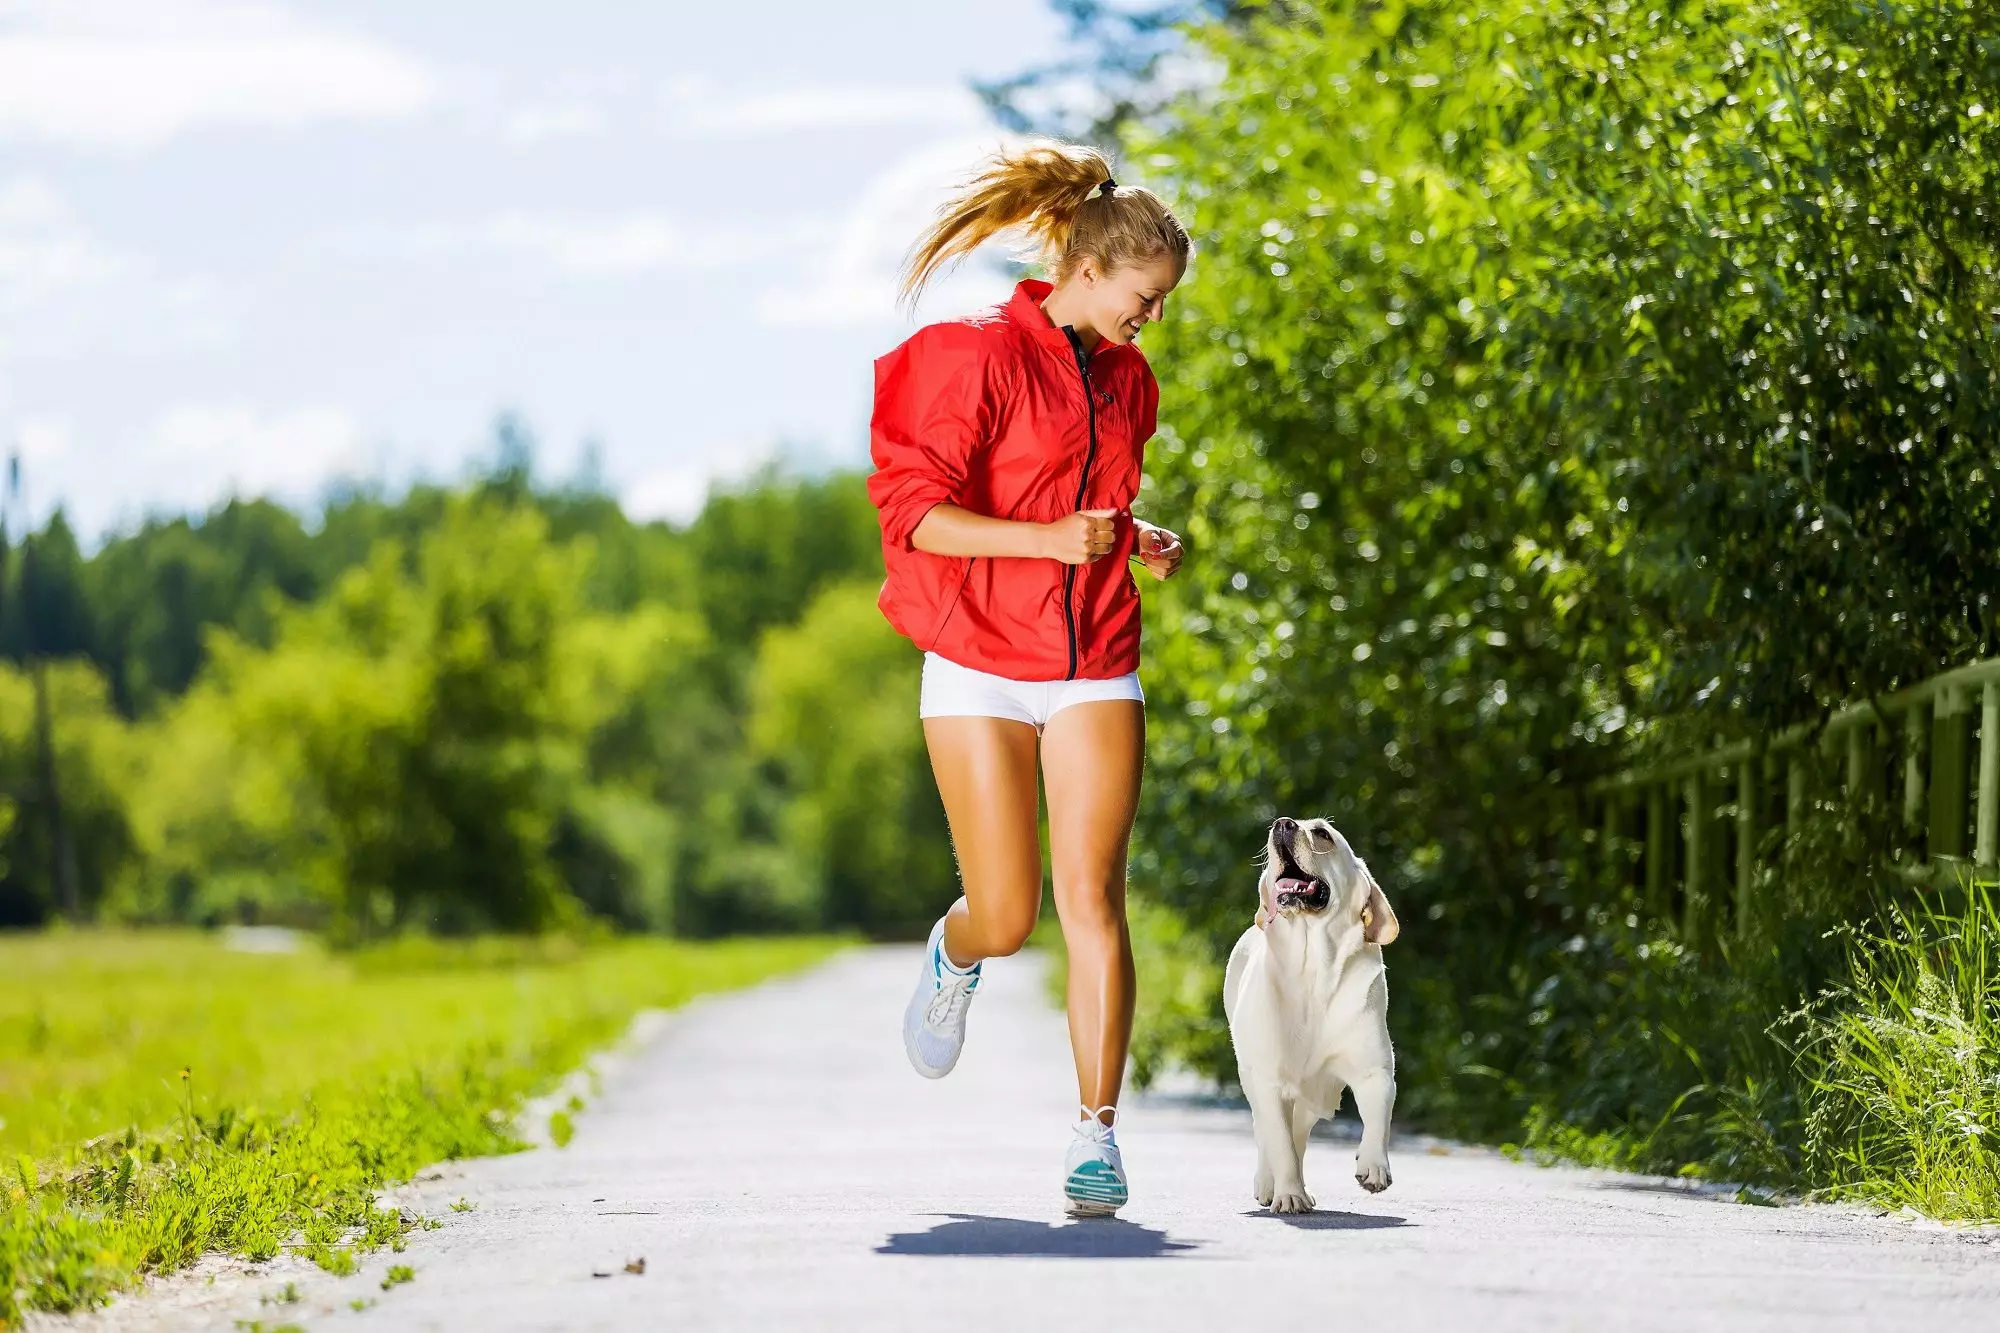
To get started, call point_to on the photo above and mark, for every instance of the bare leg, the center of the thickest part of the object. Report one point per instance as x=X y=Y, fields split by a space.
x=1092 y=756
x=985 y=769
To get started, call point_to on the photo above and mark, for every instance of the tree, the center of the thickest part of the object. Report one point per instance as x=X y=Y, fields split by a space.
x=1554 y=381
x=834 y=711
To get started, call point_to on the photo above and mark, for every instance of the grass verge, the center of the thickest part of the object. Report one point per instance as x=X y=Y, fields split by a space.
x=162 y=1098
x=1902 y=1066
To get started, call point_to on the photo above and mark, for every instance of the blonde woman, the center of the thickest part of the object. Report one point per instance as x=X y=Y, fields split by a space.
x=1007 y=449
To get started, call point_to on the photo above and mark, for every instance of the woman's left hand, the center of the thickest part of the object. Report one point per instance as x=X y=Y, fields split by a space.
x=1158 y=550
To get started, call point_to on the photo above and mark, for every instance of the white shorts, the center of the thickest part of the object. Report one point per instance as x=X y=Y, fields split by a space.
x=951 y=690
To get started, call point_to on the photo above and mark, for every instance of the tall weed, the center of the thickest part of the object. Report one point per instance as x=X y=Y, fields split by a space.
x=1902 y=1063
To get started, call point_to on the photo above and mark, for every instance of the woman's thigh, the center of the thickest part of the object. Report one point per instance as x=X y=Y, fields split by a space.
x=1092 y=758
x=985 y=770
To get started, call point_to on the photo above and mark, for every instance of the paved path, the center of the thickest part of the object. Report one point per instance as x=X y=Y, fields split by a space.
x=778 y=1166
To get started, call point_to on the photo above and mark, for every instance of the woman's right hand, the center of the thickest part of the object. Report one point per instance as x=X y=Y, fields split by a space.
x=1079 y=538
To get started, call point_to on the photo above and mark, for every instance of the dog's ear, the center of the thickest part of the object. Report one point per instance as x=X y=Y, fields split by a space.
x=1378 y=919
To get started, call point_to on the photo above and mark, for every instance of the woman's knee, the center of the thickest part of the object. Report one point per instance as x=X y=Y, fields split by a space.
x=1093 y=917
x=1002 y=939
x=1002 y=931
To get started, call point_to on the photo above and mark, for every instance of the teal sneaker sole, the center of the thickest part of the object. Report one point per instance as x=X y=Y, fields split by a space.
x=1094 y=1190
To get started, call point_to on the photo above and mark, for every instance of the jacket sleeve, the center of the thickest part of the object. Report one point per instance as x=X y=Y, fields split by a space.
x=933 y=413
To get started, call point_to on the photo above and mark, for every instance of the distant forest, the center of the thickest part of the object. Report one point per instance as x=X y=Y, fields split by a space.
x=500 y=704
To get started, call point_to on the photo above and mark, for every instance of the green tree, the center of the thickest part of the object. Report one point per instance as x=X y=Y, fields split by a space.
x=834 y=712
x=763 y=549
x=93 y=754
x=157 y=591
x=1554 y=382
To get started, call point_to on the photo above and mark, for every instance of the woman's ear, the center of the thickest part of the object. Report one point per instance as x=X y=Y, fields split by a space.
x=1378 y=919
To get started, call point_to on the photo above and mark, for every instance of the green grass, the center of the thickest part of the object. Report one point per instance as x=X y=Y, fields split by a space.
x=1903 y=1066
x=313 y=1079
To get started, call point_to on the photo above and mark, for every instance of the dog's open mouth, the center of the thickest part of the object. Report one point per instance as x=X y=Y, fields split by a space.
x=1296 y=889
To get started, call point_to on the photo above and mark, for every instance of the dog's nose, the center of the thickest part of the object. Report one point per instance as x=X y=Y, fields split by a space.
x=1283 y=829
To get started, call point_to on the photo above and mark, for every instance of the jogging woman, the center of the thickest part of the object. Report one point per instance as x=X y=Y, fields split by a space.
x=1007 y=449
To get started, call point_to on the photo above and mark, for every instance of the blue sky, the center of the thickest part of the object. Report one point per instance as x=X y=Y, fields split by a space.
x=254 y=247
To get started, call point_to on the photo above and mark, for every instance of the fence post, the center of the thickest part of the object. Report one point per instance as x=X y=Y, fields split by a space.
x=1694 y=906
x=1951 y=735
x=1860 y=790
x=1914 y=734
x=1987 y=845
x=1608 y=838
x=1746 y=842
x=1657 y=849
x=1795 y=795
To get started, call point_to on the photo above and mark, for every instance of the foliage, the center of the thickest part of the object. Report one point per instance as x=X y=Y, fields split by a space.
x=1126 y=54
x=834 y=713
x=312 y=1081
x=93 y=754
x=765 y=549
x=1558 y=383
x=497 y=706
x=1903 y=1064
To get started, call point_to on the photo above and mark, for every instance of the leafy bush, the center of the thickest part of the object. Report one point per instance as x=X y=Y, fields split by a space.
x=1561 y=384
x=1902 y=1064
x=834 y=714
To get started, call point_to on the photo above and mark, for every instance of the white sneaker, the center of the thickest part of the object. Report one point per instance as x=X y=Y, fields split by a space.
x=1094 y=1173
x=934 y=1021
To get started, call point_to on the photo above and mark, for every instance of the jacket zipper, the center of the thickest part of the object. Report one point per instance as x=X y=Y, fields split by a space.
x=1082 y=485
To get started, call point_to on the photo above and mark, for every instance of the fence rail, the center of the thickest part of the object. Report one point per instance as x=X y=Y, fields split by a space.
x=1697 y=824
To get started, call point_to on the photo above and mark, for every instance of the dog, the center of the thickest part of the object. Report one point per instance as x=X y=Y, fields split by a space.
x=1307 y=998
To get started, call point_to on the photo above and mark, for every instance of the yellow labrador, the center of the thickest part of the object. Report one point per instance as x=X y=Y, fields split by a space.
x=1308 y=1005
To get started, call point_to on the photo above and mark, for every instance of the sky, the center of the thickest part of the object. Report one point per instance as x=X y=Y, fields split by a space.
x=255 y=247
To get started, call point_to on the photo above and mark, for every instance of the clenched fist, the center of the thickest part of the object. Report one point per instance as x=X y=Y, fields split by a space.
x=1079 y=538
x=1158 y=550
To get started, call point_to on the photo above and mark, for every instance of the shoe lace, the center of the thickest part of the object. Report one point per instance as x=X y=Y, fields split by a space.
x=1094 y=1129
x=954 y=993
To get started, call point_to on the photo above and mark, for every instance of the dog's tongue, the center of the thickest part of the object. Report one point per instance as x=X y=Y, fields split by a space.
x=1300 y=886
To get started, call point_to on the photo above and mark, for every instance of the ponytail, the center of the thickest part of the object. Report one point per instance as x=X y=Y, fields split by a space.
x=1063 y=198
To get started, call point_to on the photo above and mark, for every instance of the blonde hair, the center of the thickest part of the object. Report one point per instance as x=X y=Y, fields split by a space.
x=1051 y=191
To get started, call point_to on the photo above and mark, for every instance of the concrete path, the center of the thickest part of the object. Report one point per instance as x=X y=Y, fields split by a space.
x=778 y=1166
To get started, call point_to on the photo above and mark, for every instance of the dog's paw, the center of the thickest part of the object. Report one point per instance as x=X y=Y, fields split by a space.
x=1261 y=1187
x=1372 y=1176
x=1291 y=1201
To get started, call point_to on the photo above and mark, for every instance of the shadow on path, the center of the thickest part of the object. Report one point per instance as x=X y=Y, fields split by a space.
x=1700 y=1191
x=1325 y=1220
x=971 y=1235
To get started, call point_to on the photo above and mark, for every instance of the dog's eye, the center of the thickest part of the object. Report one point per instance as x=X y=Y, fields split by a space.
x=1319 y=839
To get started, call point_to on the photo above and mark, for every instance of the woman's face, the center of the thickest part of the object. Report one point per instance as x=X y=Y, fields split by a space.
x=1129 y=298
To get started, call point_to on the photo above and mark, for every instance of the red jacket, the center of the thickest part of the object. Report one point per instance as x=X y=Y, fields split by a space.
x=1002 y=414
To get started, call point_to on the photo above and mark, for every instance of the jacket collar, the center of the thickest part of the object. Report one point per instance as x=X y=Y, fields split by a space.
x=1025 y=309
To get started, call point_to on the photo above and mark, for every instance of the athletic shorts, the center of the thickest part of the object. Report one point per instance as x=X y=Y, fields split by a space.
x=951 y=690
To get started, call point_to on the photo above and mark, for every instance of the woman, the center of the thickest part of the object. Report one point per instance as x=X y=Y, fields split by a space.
x=1007 y=448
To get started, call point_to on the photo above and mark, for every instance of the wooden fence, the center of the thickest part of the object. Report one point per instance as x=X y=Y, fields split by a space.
x=1691 y=831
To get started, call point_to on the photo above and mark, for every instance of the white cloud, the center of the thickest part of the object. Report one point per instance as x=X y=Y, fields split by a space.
x=534 y=125
x=607 y=246
x=43 y=439
x=185 y=459
x=852 y=281
x=676 y=492
x=133 y=73
x=236 y=448
x=44 y=252
x=66 y=294
x=693 y=108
